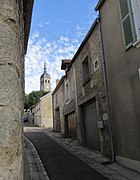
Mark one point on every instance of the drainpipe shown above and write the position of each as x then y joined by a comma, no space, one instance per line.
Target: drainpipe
53,110
106,91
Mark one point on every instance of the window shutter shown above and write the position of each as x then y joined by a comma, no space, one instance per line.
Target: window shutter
126,21
136,16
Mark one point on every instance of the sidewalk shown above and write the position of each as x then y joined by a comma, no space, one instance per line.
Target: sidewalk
97,161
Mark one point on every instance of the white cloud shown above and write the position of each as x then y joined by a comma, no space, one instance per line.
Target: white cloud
92,15
43,24
40,50
81,32
62,38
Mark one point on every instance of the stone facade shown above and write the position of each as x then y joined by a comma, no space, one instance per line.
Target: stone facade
42,112
122,61
14,37
84,82
93,88
69,108
58,104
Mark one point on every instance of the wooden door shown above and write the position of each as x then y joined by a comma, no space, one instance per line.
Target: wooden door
71,125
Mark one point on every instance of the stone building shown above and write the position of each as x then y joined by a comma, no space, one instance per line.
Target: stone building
15,21
57,104
69,107
64,102
84,106
120,30
42,110
91,94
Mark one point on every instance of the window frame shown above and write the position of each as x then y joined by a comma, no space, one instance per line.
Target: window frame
136,13
67,95
85,79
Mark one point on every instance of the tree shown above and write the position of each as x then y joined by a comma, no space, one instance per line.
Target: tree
33,97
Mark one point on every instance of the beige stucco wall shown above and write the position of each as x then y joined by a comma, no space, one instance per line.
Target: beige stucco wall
42,112
11,89
46,111
123,85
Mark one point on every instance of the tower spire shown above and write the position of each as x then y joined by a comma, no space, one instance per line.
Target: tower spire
45,78
44,66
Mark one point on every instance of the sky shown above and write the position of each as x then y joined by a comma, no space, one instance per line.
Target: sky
58,27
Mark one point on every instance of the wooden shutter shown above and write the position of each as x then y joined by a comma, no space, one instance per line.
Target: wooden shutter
126,21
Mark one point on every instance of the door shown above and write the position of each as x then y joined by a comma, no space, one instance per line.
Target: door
58,122
92,139
71,119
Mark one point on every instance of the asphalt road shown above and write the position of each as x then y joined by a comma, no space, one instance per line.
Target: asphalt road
59,163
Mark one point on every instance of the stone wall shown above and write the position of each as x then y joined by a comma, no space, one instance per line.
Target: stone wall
94,88
11,88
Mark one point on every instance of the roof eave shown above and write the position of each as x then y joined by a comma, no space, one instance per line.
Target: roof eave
84,41
27,11
99,4
59,84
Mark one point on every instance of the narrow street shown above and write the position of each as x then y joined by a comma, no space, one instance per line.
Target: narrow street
58,162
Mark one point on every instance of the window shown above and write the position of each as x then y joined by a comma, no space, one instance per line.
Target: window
56,99
66,91
85,67
130,11
136,15
45,81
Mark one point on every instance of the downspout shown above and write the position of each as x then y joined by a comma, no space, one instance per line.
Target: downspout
53,109
106,91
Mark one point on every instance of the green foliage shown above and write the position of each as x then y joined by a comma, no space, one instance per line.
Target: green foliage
32,98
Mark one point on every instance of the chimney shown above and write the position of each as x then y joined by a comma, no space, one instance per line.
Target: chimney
57,81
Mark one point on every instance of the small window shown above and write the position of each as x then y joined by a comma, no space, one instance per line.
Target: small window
48,81
66,91
45,81
56,98
85,67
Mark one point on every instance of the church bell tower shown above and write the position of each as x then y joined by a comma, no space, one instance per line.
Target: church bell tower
45,78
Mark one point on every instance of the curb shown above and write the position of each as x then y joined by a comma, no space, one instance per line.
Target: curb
36,168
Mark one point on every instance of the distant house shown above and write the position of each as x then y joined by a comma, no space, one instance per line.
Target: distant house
42,112
120,29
